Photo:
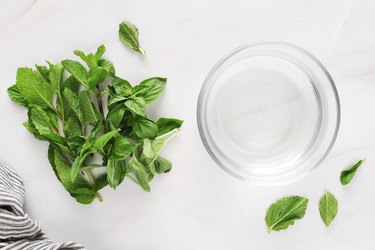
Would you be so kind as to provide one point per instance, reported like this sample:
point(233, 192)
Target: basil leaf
point(77, 71)
point(16, 96)
point(33, 88)
point(328, 208)
point(101, 141)
point(140, 173)
point(145, 128)
point(121, 86)
point(115, 171)
point(116, 114)
point(150, 89)
point(281, 214)
point(79, 189)
point(162, 165)
point(101, 181)
point(347, 175)
point(129, 36)
point(116, 98)
point(137, 105)
point(90, 112)
point(100, 52)
point(147, 148)
point(166, 125)
point(122, 148)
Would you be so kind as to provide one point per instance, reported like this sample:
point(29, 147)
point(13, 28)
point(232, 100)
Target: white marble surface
point(197, 205)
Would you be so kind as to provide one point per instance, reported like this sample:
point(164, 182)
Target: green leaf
point(72, 84)
point(145, 128)
point(101, 141)
point(42, 121)
point(76, 166)
point(74, 102)
point(150, 89)
point(140, 173)
point(122, 148)
point(79, 189)
point(129, 36)
point(136, 105)
point(33, 88)
point(328, 208)
point(114, 172)
point(281, 214)
point(347, 175)
point(116, 98)
point(96, 76)
point(116, 114)
point(101, 181)
point(121, 86)
point(16, 96)
point(166, 125)
point(90, 112)
point(147, 148)
point(100, 52)
point(73, 127)
point(55, 75)
point(43, 71)
point(162, 165)
point(77, 71)
point(89, 59)
point(108, 66)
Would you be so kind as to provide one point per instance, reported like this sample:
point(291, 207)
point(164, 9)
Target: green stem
point(62, 110)
point(99, 98)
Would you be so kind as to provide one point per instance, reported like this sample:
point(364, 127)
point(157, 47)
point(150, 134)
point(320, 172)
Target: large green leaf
point(108, 66)
point(145, 128)
point(281, 214)
point(150, 89)
point(122, 148)
point(136, 105)
point(116, 114)
point(140, 173)
point(33, 88)
point(79, 189)
point(328, 208)
point(102, 140)
point(129, 36)
point(115, 171)
point(166, 125)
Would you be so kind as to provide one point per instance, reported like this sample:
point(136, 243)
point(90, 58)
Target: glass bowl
point(268, 113)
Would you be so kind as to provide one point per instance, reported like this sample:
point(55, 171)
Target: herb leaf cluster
point(88, 112)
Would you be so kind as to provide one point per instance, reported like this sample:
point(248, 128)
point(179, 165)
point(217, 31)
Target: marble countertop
point(197, 205)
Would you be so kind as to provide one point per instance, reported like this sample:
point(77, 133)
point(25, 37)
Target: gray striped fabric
point(17, 230)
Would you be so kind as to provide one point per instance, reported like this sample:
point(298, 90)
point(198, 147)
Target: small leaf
point(122, 148)
point(281, 214)
point(100, 52)
point(166, 125)
point(73, 127)
point(121, 86)
point(43, 71)
point(145, 128)
point(150, 89)
point(136, 105)
point(139, 170)
point(74, 102)
point(129, 36)
point(108, 66)
point(89, 59)
point(33, 88)
point(328, 208)
point(347, 175)
point(101, 141)
point(16, 96)
point(77, 71)
point(162, 165)
point(90, 112)
point(55, 75)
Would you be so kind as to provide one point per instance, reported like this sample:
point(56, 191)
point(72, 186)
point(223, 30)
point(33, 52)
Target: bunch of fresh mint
point(86, 112)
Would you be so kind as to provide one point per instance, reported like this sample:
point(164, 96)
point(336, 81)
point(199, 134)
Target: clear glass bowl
point(268, 113)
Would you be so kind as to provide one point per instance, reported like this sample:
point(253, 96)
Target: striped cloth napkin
point(17, 230)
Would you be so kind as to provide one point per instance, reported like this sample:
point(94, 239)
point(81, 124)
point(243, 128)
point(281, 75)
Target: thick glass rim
point(200, 113)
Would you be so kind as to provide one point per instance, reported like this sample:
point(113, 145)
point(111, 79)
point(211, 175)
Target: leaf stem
point(99, 98)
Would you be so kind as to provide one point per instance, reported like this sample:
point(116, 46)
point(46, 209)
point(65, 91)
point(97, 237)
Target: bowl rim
point(226, 58)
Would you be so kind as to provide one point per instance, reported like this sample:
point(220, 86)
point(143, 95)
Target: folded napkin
point(17, 230)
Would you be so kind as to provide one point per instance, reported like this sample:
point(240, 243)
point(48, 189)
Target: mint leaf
point(108, 66)
point(328, 208)
point(77, 71)
point(282, 214)
point(140, 173)
point(73, 127)
point(347, 175)
point(55, 76)
point(16, 96)
point(166, 125)
point(33, 88)
point(74, 102)
point(89, 59)
point(100, 52)
point(150, 89)
point(145, 128)
point(43, 71)
point(129, 36)
point(90, 112)
point(136, 105)
point(96, 76)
